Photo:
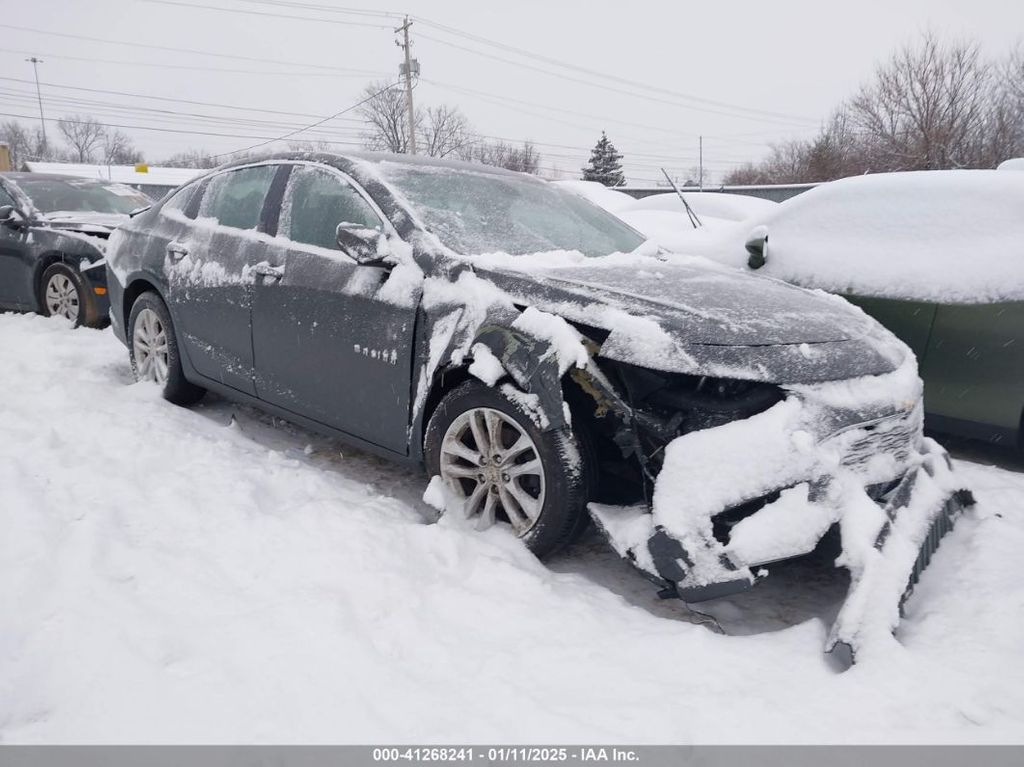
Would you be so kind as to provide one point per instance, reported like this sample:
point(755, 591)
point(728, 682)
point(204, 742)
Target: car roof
point(348, 157)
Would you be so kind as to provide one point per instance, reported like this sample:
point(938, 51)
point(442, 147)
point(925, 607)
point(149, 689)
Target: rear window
point(236, 198)
point(78, 195)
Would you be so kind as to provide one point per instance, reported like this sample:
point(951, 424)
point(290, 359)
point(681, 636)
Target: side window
point(180, 199)
point(236, 198)
point(315, 202)
point(6, 199)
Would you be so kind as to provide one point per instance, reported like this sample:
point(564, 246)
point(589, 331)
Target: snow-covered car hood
point(86, 222)
point(687, 317)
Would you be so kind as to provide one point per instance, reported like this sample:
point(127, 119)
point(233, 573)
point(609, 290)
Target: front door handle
point(263, 269)
point(176, 251)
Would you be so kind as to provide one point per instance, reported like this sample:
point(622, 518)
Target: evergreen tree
point(604, 166)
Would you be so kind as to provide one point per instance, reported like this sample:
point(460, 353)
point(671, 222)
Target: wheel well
point(135, 289)
point(44, 263)
point(444, 381)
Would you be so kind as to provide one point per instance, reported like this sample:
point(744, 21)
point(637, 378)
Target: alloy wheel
point(149, 347)
point(62, 297)
point(492, 465)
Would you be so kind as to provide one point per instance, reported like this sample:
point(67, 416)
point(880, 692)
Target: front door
point(15, 262)
point(325, 346)
point(209, 269)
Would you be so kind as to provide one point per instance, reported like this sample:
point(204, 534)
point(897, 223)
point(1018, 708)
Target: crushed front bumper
point(733, 498)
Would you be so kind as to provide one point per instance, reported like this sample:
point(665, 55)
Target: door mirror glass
point(757, 248)
point(360, 242)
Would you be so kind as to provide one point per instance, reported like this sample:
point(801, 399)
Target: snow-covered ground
point(214, 575)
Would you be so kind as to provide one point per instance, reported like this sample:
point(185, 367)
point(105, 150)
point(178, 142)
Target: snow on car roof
point(952, 236)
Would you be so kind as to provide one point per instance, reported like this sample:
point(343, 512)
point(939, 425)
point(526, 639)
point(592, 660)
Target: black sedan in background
point(53, 233)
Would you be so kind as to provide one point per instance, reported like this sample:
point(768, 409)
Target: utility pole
point(407, 70)
point(700, 173)
point(35, 68)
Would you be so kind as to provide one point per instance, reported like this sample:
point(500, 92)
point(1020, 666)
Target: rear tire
point(153, 350)
point(533, 479)
point(63, 293)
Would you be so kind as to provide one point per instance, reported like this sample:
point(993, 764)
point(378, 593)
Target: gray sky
point(774, 68)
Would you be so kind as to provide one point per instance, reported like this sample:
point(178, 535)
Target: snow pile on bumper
point(849, 453)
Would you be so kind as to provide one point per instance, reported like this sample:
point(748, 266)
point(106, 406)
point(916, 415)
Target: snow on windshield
point(476, 213)
point(944, 236)
point(51, 195)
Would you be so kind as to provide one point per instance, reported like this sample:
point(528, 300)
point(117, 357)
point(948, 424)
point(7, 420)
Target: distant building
point(155, 182)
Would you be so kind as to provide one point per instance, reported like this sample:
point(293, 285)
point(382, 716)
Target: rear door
point(209, 270)
point(325, 346)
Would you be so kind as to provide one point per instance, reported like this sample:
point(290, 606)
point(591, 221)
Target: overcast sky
point(743, 74)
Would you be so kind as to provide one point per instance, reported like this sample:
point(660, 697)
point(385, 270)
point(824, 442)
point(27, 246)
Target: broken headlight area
point(638, 412)
point(732, 475)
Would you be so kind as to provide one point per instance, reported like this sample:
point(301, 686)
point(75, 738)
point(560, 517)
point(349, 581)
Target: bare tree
point(191, 158)
point(313, 145)
point(931, 106)
point(925, 108)
point(525, 158)
point(18, 141)
point(445, 131)
point(118, 149)
point(83, 134)
point(387, 122)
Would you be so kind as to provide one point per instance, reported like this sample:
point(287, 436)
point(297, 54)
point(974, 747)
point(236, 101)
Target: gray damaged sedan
point(547, 366)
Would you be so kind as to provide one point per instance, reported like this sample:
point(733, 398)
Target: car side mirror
point(11, 216)
point(757, 248)
point(359, 242)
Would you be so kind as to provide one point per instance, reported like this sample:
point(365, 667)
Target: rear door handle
point(176, 251)
point(263, 269)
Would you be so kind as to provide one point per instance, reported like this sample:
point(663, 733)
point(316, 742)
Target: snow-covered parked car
point(663, 217)
point(53, 230)
point(542, 360)
point(935, 256)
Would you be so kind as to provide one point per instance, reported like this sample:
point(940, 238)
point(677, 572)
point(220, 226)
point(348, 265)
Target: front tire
point(153, 350)
point(500, 466)
point(63, 293)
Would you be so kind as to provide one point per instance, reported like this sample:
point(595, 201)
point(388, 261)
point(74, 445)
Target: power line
point(500, 102)
point(613, 78)
point(269, 139)
point(761, 113)
point(264, 73)
point(609, 88)
point(265, 13)
point(161, 98)
point(319, 122)
point(149, 46)
point(96, 108)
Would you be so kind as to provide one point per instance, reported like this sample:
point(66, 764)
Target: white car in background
point(663, 218)
point(936, 256)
